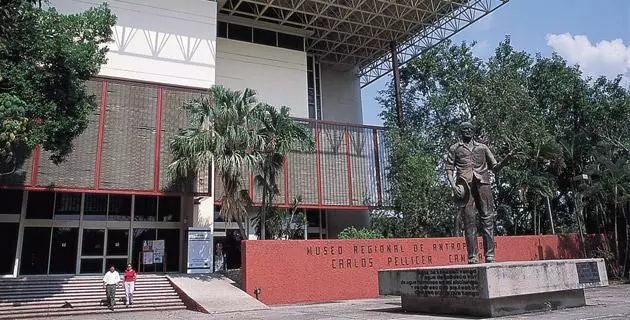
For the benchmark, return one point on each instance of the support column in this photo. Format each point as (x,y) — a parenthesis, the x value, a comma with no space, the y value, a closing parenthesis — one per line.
(399,113)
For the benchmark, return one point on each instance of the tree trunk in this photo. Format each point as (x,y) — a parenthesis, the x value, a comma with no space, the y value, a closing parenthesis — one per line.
(578,213)
(616,226)
(553,230)
(263,209)
(627,251)
(535,220)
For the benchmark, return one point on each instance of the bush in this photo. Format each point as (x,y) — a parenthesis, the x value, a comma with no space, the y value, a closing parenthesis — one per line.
(354,233)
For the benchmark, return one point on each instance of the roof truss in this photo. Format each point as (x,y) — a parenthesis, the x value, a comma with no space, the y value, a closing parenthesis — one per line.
(358,33)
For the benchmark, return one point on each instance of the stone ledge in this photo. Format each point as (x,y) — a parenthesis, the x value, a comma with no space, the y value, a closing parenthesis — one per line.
(496,288)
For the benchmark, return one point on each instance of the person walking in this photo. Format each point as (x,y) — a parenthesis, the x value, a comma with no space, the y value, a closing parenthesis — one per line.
(110,281)
(130,284)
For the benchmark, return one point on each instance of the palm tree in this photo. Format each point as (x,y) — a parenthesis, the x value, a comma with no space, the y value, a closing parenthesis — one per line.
(282,134)
(224,128)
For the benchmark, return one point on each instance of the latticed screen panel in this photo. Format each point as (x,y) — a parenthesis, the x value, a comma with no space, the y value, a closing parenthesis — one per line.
(302,172)
(361,159)
(78,168)
(334,167)
(384,155)
(129,138)
(173,119)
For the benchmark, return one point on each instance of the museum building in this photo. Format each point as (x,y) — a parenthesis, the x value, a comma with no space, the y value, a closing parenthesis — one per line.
(113,192)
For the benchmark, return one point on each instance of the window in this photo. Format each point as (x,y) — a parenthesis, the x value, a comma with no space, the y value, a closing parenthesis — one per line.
(11,201)
(259,36)
(169,209)
(40,205)
(119,208)
(265,37)
(95,207)
(314,93)
(242,33)
(146,208)
(68,206)
(222,30)
(288,41)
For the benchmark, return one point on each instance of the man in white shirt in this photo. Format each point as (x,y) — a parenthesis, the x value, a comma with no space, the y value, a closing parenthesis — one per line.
(110,281)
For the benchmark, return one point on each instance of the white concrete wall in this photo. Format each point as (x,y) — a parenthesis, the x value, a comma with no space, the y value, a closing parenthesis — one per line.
(278,75)
(340,219)
(341,96)
(163,41)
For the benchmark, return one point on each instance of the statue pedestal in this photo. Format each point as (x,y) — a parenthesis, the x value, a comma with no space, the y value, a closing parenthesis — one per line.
(494,289)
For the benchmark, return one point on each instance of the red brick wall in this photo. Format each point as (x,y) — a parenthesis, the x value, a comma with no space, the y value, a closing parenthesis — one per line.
(326,270)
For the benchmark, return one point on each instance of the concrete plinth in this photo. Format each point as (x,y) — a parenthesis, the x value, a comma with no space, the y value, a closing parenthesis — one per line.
(495,289)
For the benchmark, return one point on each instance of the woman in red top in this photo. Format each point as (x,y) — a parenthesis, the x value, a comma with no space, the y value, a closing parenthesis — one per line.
(130,283)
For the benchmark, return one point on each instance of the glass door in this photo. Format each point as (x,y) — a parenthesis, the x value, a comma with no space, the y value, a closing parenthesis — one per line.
(117,248)
(63,250)
(35,250)
(92,251)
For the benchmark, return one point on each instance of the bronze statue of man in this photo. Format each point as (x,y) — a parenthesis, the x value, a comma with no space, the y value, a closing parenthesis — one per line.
(471,162)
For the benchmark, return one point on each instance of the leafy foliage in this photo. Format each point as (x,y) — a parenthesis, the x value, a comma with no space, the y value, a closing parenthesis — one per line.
(354,233)
(282,134)
(560,124)
(45,59)
(237,133)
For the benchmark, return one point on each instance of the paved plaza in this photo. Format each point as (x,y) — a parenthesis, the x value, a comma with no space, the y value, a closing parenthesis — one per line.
(609,303)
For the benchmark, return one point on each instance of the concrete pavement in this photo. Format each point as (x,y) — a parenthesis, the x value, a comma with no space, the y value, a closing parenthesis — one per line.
(608,303)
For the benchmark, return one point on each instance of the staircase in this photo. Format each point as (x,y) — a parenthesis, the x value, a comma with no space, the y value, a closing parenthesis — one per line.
(37,297)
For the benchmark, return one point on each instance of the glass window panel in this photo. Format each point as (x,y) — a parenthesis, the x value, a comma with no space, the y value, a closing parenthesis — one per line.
(265,37)
(312,216)
(92,266)
(171,248)
(119,263)
(145,208)
(68,206)
(95,207)
(8,238)
(117,241)
(119,208)
(11,201)
(35,249)
(40,205)
(289,41)
(222,29)
(169,209)
(93,242)
(64,249)
(238,32)
(139,235)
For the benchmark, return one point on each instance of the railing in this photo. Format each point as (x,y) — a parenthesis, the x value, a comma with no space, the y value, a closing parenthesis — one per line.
(125,150)
(347,169)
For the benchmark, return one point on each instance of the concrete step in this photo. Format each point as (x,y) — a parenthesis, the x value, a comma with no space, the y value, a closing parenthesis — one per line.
(10,282)
(91,305)
(13,290)
(71,295)
(37,296)
(100,310)
(72,299)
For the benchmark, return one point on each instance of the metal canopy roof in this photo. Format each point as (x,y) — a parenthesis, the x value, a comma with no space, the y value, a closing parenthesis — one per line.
(358,33)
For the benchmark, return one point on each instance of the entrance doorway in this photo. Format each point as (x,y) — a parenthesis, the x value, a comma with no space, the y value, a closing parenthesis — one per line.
(78,233)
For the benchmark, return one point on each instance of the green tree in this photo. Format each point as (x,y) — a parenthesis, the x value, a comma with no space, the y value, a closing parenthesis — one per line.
(225,129)
(45,60)
(282,134)
(558,124)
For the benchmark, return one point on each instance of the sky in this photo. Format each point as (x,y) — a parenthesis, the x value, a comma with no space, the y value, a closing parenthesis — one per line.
(592,33)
